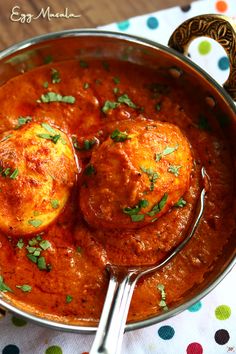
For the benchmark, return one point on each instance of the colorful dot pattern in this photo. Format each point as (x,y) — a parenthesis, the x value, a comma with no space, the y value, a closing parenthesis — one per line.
(207,326)
(158,27)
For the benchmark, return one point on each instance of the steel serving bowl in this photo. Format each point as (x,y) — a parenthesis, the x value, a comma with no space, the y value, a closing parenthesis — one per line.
(84,44)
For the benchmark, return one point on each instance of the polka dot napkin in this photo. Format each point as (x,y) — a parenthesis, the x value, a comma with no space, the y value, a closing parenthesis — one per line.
(209,326)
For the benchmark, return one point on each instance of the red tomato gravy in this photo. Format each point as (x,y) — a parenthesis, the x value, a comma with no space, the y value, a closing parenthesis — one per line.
(73,289)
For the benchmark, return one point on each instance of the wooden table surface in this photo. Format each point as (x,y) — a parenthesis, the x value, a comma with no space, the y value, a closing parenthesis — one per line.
(18,18)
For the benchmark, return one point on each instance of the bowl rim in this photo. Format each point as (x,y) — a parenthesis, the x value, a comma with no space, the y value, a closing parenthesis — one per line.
(13,49)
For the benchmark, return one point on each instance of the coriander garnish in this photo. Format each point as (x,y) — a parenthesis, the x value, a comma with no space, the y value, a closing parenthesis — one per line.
(109,105)
(53,138)
(116,90)
(48,59)
(89,170)
(181,203)
(45,244)
(133,212)
(168,150)
(42,263)
(162,303)
(55,203)
(45,84)
(55,76)
(159,206)
(20,244)
(22,121)
(69,298)
(4,287)
(119,136)
(7,172)
(56,97)
(35,222)
(174,169)
(152,175)
(14,174)
(86,85)
(35,247)
(25,288)
(6,137)
(48,128)
(116,80)
(32,258)
(158,107)
(87,144)
(137,218)
(126,100)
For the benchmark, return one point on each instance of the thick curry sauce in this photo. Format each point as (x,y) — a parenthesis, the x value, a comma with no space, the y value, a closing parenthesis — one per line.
(69,283)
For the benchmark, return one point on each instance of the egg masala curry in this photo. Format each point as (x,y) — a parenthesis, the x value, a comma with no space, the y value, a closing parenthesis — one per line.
(100,162)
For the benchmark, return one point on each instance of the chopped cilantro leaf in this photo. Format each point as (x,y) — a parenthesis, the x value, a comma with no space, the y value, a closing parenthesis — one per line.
(14,174)
(138,217)
(79,249)
(55,203)
(116,90)
(48,128)
(119,136)
(45,84)
(33,242)
(35,222)
(53,138)
(159,206)
(32,258)
(6,137)
(6,172)
(4,287)
(20,244)
(116,80)
(69,298)
(109,105)
(22,121)
(126,100)
(31,249)
(48,59)
(86,85)
(25,288)
(55,76)
(168,150)
(181,203)
(158,107)
(41,263)
(56,97)
(44,244)
(89,170)
(162,303)
(87,144)
(133,212)
(153,176)
(174,169)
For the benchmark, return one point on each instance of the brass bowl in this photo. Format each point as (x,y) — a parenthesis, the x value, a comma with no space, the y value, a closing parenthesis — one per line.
(84,44)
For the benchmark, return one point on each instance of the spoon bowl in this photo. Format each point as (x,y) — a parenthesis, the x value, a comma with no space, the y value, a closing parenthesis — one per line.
(108,339)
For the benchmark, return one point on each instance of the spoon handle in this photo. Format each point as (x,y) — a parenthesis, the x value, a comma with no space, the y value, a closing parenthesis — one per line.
(108,339)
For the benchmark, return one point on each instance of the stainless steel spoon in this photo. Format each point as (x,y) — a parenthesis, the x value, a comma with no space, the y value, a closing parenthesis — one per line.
(109,336)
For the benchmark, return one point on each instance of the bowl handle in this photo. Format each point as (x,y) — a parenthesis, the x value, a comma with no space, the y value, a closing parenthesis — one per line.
(218,27)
